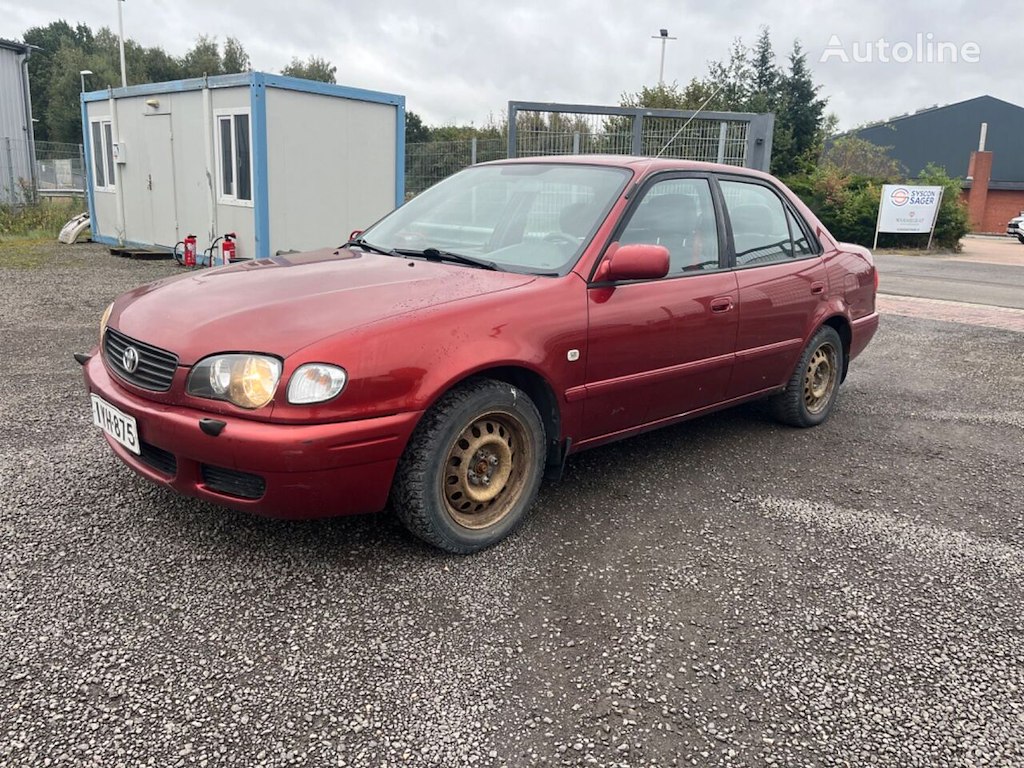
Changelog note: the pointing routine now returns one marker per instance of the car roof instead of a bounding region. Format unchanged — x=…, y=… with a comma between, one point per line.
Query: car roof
x=640, y=165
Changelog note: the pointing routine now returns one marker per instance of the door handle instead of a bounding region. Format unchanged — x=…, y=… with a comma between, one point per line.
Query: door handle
x=721, y=304
x=817, y=288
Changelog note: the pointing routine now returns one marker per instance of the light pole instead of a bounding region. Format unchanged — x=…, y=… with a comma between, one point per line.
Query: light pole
x=82, y=73
x=664, y=39
x=120, y=37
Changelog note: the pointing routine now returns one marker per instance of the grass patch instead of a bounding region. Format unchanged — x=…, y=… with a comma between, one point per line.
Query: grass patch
x=39, y=220
x=26, y=252
x=28, y=233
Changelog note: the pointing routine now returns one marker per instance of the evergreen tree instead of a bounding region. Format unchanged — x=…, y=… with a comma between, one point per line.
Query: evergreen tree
x=800, y=117
x=766, y=74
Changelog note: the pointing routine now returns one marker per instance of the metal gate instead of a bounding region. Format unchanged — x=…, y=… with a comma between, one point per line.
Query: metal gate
x=732, y=138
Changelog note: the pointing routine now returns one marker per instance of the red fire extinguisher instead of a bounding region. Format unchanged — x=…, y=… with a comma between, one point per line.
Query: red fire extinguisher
x=190, y=250
x=228, y=248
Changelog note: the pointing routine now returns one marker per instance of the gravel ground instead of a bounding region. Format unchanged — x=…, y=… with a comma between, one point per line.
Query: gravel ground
x=727, y=592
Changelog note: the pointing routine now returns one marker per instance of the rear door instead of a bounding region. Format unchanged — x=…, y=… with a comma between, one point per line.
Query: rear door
x=660, y=348
x=781, y=279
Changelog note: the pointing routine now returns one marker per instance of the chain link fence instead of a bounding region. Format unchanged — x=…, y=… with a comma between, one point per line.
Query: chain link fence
x=426, y=163
x=60, y=168
x=535, y=129
x=730, y=138
x=56, y=170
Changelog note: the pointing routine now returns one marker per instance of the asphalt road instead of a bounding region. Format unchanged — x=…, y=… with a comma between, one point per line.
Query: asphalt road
x=990, y=271
x=727, y=592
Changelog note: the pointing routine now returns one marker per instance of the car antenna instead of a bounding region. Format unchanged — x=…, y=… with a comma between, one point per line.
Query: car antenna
x=701, y=107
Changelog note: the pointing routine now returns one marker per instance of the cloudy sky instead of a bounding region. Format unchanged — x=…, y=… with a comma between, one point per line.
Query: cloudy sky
x=462, y=60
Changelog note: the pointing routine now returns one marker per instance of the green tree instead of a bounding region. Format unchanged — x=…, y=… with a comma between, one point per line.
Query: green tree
x=854, y=156
x=159, y=66
x=41, y=69
x=203, y=58
x=952, y=221
x=660, y=96
x=235, y=58
x=801, y=124
x=415, y=131
x=731, y=81
x=313, y=68
x=63, y=116
x=765, y=74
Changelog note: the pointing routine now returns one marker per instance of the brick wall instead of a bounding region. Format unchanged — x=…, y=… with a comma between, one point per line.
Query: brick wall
x=1000, y=206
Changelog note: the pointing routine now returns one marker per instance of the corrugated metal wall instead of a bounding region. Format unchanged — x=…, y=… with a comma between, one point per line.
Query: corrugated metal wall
x=15, y=145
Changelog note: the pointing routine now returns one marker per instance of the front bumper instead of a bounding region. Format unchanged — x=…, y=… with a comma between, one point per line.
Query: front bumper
x=308, y=471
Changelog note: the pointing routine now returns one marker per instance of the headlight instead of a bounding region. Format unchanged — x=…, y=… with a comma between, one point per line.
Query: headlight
x=315, y=383
x=248, y=381
x=105, y=319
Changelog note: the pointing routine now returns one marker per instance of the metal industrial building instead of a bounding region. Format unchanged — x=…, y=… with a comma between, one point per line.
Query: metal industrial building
x=949, y=136
x=284, y=163
x=17, y=146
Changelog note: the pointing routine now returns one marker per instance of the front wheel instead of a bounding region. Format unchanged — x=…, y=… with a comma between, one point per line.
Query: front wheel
x=1021, y=238
x=472, y=467
x=811, y=391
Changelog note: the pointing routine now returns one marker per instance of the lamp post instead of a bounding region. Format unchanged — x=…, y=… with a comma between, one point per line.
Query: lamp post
x=120, y=37
x=82, y=73
x=664, y=39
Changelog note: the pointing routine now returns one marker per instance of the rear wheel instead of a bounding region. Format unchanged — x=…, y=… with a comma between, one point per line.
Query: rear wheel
x=811, y=392
x=472, y=467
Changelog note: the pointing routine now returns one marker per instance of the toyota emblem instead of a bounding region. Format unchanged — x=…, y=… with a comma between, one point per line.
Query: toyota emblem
x=130, y=359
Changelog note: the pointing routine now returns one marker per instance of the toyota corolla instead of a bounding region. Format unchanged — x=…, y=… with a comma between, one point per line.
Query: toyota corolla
x=448, y=358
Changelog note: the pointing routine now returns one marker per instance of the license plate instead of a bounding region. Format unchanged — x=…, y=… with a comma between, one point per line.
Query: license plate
x=115, y=423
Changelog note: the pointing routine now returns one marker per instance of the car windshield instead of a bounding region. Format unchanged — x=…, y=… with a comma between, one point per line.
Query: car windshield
x=519, y=217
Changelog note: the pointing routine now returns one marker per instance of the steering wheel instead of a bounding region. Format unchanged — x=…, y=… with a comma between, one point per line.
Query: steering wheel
x=560, y=238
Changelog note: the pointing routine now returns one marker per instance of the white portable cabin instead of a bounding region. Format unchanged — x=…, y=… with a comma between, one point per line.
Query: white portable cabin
x=284, y=163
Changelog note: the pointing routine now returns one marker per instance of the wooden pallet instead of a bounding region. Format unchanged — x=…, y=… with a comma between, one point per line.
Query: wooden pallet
x=141, y=253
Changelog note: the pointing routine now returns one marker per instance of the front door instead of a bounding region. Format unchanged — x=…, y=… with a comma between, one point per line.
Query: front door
x=158, y=186
x=661, y=348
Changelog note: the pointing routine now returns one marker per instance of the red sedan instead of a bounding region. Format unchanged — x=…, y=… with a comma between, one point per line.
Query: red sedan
x=456, y=352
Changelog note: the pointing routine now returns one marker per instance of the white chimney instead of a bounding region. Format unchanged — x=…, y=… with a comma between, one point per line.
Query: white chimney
x=984, y=134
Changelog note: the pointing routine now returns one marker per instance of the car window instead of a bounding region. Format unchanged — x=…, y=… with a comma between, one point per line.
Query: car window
x=802, y=245
x=522, y=216
x=679, y=214
x=760, y=229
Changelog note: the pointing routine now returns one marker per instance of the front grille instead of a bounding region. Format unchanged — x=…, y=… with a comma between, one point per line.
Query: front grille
x=231, y=482
x=159, y=459
x=156, y=366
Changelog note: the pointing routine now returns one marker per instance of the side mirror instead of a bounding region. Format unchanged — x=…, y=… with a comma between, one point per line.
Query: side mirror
x=637, y=261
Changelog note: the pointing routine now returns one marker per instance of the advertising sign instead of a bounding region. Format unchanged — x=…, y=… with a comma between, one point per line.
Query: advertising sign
x=905, y=209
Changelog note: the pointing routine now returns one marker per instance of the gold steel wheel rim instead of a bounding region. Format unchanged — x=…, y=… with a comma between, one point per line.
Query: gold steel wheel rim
x=485, y=471
x=820, y=378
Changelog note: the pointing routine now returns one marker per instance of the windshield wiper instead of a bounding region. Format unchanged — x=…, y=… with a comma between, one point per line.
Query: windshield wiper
x=361, y=243
x=434, y=254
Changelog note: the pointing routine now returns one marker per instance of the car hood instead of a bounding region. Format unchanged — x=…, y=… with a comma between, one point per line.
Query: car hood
x=281, y=305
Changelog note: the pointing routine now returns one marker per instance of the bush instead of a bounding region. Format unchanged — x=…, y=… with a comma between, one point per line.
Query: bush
x=848, y=206
x=43, y=219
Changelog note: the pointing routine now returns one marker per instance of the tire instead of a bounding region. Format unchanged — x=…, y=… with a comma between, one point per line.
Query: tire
x=1021, y=238
x=811, y=392
x=481, y=433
